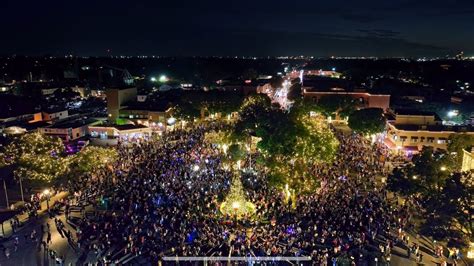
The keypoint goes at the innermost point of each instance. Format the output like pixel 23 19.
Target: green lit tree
pixel 290 142
pixel 93 158
pixel 36 157
pixel 236 203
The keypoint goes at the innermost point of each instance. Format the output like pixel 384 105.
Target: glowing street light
pixel 163 78
pixel 47 193
pixel 153 79
pixel 443 168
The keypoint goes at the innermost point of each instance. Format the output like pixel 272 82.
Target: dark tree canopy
pixel 444 195
pixel 190 104
pixel 457 143
pixel 367 121
pixel 276 82
pixel 331 104
pixel 295 92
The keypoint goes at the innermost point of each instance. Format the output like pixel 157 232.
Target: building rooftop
pixel 74 123
pixel 123 127
pixel 149 105
pixel 327 84
pixel 415 112
pixel 435 128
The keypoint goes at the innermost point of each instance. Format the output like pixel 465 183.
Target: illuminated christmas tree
pixel 236 203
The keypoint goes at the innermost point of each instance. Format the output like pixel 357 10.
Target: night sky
pixel 235 28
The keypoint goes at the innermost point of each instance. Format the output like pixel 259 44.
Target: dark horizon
pixel 210 28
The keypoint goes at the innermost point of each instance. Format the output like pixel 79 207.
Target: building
pixel 117 98
pixel 69 130
pixel 50 115
pixel 154 114
pixel 410 130
pixel 112 134
pixel 364 99
pixel 467 160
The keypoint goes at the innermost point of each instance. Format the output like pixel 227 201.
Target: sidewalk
pixel 23 218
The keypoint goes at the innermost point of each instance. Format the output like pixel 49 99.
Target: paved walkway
pixel 32 253
pixel 23 218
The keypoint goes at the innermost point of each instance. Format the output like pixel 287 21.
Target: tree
pixel 276 82
pixel 404 181
pixel 295 92
pixel 92 158
pixel 36 157
pixel 218 137
pixel 192 104
pixel 236 203
pixel 449 213
pixel 446 197
pixel 367 121
pixel 336 104
pixel 222 102
pixel 235 152
pixel 432 167
pixel 426 175
pixel 456 144
pixel 186 111
pixel 315 144
pixel 458 195
pixel 290 142
pixel 252 114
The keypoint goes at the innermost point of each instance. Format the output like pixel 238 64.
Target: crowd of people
pixel 162 199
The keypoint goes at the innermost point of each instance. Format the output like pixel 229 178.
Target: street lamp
pixel 443 168
pixel 47 193
pixel 470 252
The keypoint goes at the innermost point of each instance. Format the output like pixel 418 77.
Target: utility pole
pixel 6 195
pixel 21 190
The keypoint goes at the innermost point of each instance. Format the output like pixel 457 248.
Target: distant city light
pixel 163 78
pixel 153 79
